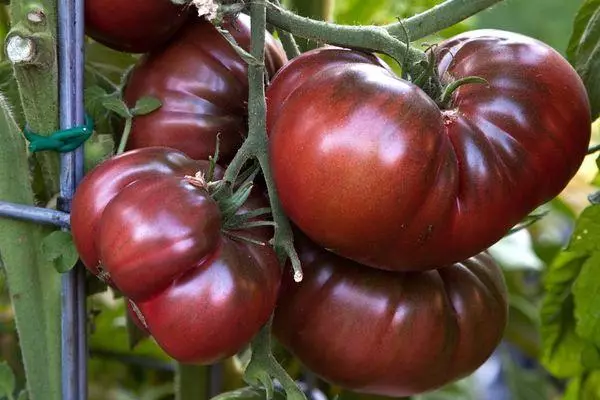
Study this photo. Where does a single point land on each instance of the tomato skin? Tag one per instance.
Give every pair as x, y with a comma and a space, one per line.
370, 167
134, 26
141, 225
105, 181
203, 87
390, 333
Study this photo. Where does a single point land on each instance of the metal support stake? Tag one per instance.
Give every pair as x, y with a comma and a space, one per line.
71, 66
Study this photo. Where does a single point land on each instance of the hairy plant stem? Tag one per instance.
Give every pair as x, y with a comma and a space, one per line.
440, 17
288, 41
33, 283
256, 144
321, 10
37, 77
370, 38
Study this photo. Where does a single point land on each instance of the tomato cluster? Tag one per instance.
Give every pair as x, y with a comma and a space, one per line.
395, 195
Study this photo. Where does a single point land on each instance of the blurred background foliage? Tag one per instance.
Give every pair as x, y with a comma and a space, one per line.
513, 373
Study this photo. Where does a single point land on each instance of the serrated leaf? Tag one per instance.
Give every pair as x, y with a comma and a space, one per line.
58, 248
561, 346
584, 50
7, 380
145, 105
117, 105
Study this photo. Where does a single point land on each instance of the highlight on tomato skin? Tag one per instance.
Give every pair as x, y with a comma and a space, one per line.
135, 26
141, 226
203, 88
369, 166
390, 333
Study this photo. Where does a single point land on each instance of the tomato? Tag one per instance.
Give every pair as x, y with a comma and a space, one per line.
390, 333
369, 166
203, 86
139, 224
135, 26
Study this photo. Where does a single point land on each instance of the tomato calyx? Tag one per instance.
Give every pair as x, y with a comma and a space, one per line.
231, 199
430, 81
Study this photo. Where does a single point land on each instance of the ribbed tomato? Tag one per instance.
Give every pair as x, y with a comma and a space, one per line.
135, 26
369, 166
139, 224
203, 86
386, 332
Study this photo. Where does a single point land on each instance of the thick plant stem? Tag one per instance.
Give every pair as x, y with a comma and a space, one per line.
372, 38
315, 9
31, 47
256, 145
440, 17
191, 382
33, 283
288, 41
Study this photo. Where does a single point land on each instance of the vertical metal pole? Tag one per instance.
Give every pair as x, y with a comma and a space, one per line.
71, 66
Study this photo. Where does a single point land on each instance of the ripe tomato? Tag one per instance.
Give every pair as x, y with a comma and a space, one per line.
141, 226
203, 86
135, 26
390, 333
369, 166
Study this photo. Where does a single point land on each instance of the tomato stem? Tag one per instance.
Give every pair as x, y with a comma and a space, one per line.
288, 41
256, 144
372, 38
262, 362
440, 17
446, 97
125, 135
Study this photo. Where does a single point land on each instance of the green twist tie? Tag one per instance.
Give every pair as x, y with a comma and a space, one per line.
61, 141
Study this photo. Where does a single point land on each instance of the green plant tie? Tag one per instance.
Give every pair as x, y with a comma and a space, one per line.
62, 141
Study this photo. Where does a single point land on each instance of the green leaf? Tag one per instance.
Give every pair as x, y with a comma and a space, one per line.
590, 358
7, 380
250, 393
23, 395
460, 390
116, 104
573, 389
584, 387
59, 249
584, 50
586, 237
586, 292
561, 346
146, 105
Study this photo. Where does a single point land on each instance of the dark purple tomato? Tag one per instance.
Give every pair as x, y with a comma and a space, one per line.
370, 167
203, 86
134, 26
390, 333
140, 225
